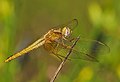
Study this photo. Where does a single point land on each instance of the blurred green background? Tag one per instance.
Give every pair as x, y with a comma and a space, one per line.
24, 21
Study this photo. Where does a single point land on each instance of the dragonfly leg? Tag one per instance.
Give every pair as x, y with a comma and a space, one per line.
71, 40
64, 57
63, 45
57, 56
60, 56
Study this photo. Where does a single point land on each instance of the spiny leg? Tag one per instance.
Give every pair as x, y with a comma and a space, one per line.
60, 56
64, 57
71, 40
57, 56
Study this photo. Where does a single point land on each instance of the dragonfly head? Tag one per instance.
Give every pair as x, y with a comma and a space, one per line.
66, 31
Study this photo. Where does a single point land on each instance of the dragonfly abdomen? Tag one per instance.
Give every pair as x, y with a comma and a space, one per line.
33, 46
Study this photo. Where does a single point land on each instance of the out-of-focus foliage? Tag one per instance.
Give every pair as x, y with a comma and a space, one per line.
24, 21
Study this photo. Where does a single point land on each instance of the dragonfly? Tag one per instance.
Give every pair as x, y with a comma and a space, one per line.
58, 40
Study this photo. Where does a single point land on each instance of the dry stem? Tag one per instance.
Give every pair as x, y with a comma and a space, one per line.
63, 62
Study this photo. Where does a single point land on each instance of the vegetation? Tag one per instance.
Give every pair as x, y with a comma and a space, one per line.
24, 21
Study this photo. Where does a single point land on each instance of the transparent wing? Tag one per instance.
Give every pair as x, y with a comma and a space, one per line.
92, 46
85, 49
71, 24
78, 55
35, 45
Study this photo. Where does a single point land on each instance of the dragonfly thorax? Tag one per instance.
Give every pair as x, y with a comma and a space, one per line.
53, 35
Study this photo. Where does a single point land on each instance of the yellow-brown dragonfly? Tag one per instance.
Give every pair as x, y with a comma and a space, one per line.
58, 39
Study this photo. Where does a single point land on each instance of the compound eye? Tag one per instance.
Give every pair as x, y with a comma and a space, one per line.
66, 31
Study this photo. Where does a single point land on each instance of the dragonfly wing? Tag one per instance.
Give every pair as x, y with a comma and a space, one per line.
92, 46
83, 50
78, 55
84, 56
35, 45
71, 24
